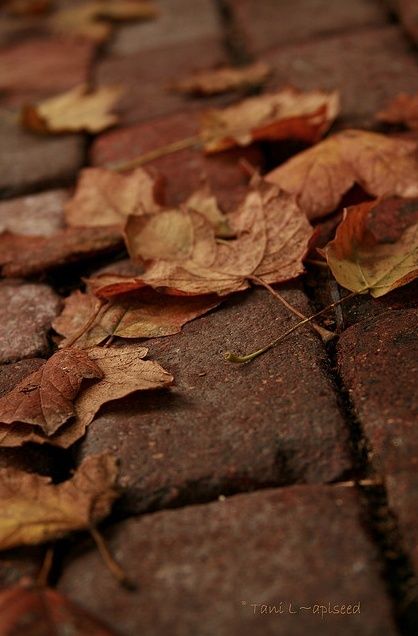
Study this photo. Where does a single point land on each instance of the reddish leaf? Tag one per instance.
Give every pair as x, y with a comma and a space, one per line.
223, 80
403, 109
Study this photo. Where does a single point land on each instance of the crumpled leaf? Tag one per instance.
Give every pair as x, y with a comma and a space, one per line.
77, 110
104, 197
33, 510
32, 611
138, 315
223, 80
320, 176
46, 397
124, 372
22, 255
287, 114
91, 20
179, 253
403, 109
376, 246
205, 202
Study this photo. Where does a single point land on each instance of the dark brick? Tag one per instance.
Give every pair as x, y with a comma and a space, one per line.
276, 22
29, 160
183, 170
147, 75
201, 568
18, 564
26, 313
35, 68
408, 14
369, 68
378, 364
224, 427
402, 489
36, 214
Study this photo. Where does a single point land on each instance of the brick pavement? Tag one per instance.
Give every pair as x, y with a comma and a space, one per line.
256, 463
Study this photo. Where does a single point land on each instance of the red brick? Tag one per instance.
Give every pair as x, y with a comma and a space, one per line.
225, 427
179, 22
200, 569
26, 313
276, 22
368, 67
147, 75
35, 68
35, 214
29, 160
183, 170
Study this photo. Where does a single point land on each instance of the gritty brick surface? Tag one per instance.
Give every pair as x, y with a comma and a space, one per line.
147, 77
18, 564
36, 68
368, 67
185, 170
199, 570
224, 427
35, 214
274, 23
179, 22
26, 313
402, 489
29, 160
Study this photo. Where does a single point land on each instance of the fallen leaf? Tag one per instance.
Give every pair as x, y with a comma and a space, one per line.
139, 315
320, 176
103, 197
179, 253
403, 109
22, 255
223, 80
33, 510
124, 371
91, 20
46, 397
28, 7
376, 246
77, 110
205, 202
287, 114
34, 611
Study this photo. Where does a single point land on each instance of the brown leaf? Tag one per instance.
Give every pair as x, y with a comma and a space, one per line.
180, 255
124, 372
321, 175
46, 397
403, 109
223, 80
35, 611
376, 246
91, 20
205, 202
144, 314
33, 510
22, 256
77, 110
28, 7
287, 114
104, 197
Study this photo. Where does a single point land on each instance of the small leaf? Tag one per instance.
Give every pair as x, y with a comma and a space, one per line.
376, 246
223, 80
33, 510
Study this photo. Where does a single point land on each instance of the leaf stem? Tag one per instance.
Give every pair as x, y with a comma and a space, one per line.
233, 357
114, 568
43, 575
326, 334
168, 149
100, 305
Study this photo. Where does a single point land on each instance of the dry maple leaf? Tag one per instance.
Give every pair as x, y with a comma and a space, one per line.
22, 255
77, 110
104, 197
376, 246
180, 254
91, 20
321, 175
33, 510
124, 371
144, 314
36, 611
46, 397
287, 114
223, 80
403, 109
